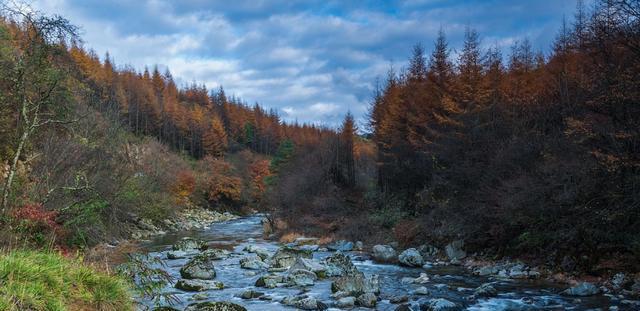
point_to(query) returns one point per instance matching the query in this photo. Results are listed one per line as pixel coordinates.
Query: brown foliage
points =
(184, 186)
(259, 171)
(219, 183)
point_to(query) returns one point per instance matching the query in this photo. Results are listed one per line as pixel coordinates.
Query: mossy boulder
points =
(357, 285)
(285, 257)
(200, 267)
(189, 244)
(215, 306)
(199, 285)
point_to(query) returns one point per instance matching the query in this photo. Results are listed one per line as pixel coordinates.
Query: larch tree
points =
(470, 70)
(440, 67)
(215, 138)
(345, 152)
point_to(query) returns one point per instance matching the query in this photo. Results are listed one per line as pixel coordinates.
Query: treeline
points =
(526, 154)
(538, 154)
(193, 119)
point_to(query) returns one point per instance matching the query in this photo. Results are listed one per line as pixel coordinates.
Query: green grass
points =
(35, 280)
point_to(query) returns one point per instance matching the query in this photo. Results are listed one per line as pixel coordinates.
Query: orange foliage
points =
(259, 171)
(220, 185)
(184, 186)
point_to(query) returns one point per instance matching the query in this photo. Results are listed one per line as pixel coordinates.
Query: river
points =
(451, 282)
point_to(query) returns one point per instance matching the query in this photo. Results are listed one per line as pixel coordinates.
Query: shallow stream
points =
(451, 282)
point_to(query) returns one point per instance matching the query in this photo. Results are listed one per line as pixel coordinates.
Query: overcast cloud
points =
(311, 60)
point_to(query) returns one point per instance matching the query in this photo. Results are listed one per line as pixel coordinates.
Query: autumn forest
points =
(520, 153)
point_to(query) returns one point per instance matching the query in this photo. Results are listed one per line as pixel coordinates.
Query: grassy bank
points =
(35, 280)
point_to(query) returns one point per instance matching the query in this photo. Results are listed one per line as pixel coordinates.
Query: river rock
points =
(339, 264)
(263, 253)
(189, 244)
(198, 268)
(198, 285)
(411, 258)
(359, 246)
(518, 271)
(269, 281)
(422, 279)
(455, 250)
(486, 271)
(346, 302)
(357, 285)
(619, 281)
(309, 264)
(310, 303)
(286, 256)
(582, 289)
(164, 309)
(214, 254)
(200, 296)
(252, 263)
(383, 253)
(301, 277)
(485, 290)
(367, 300)
(440, 304)
(215, 306)
(421, 291)
(341, 245)
(267, 226)
(304, 302)
(250, 294)
(172, 255)
(404, 307)
(399, 299)
(428, 251)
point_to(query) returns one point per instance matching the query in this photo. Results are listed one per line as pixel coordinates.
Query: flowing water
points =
(450, 282)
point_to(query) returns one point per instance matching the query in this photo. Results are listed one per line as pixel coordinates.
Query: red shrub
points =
(37, 215)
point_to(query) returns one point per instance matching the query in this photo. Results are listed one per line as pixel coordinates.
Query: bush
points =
(183, 186)
(219, 183)
(83, 222)
(144, 199)
(38, 225)
(37, 281)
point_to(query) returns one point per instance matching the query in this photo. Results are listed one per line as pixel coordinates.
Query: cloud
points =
(311, 60)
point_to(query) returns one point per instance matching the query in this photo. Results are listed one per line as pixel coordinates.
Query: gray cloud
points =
(311, 60)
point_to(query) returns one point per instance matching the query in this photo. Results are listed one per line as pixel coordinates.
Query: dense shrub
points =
(219, 182)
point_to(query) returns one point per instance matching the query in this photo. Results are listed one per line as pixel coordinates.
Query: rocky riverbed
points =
(186, 220)
(229, 266)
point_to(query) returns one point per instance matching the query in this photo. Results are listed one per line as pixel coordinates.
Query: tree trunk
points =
(12, 170)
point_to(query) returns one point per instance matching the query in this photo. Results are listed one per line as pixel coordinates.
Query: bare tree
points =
(35, 81)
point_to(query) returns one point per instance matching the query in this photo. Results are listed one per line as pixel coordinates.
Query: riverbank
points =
(611, 277)
(193, 218)
(616, 283)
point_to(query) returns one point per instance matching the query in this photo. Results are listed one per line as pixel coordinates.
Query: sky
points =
(312, 61)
